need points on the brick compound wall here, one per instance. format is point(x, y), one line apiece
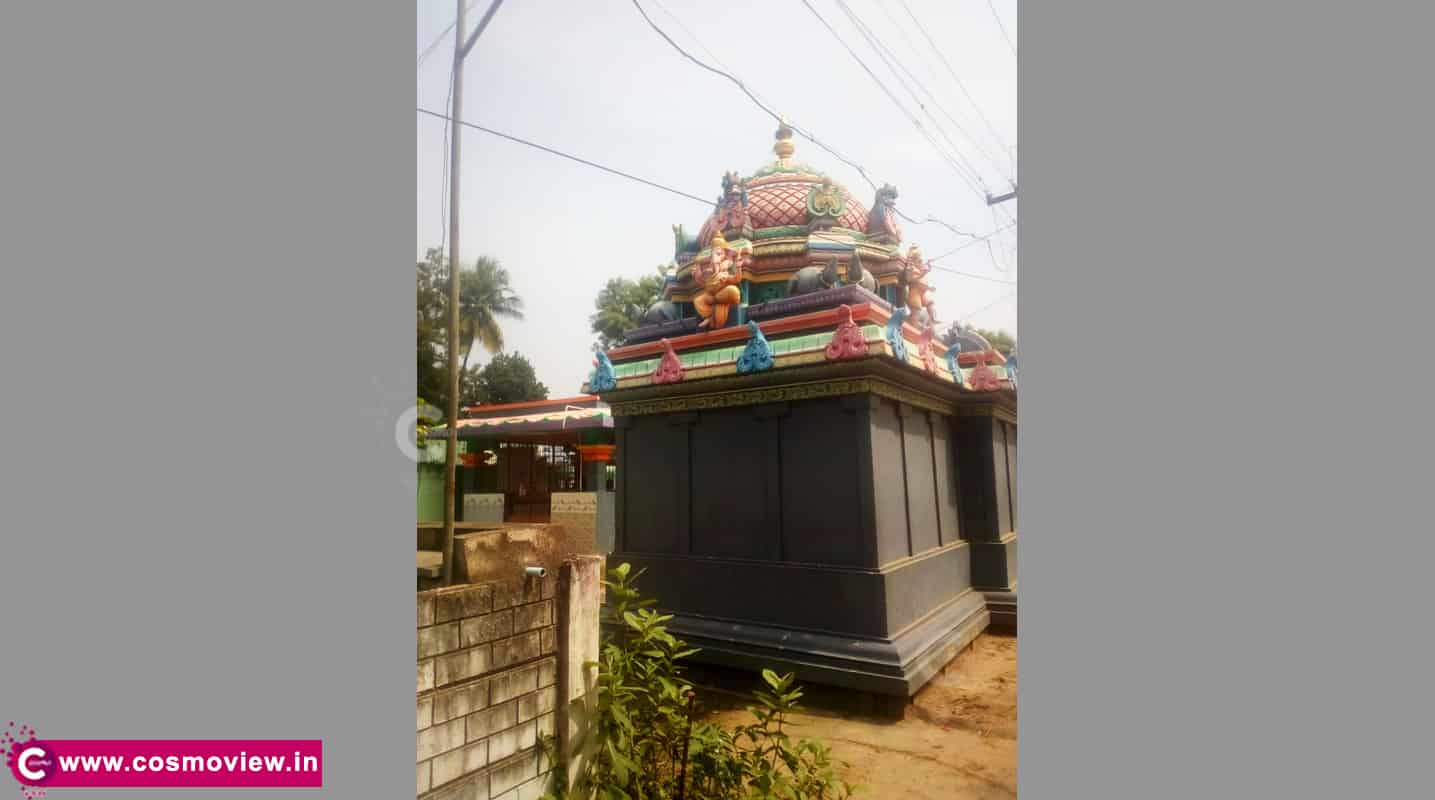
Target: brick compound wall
point(487, 689)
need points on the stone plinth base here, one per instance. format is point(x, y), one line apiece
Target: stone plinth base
point(1002, 606)
point(897, 667)
point(994, 564)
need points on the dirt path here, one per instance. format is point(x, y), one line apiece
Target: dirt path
point(955, 741)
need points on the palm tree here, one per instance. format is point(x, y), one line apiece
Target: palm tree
point(484, 297)
point(621, 304)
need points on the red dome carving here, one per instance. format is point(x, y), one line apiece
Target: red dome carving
point(781, 199)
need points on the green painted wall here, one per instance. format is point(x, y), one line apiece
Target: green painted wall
point(430, 493)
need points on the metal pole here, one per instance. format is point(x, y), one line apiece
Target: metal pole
point(991, 201)
point(450, 467)
point(461, 47)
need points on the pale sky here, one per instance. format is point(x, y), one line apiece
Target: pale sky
point(593, 79)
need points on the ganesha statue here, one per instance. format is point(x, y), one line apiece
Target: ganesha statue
point(719, 276)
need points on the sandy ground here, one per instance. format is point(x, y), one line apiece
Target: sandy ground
point(955, 741)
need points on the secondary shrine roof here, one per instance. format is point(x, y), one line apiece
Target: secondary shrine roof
point(543, 416)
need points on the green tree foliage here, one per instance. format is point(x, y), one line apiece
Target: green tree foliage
point(433, 329)
point(641, 740)
point(470, 388)
point(425, 421)
point(506, 378)
point(1001, 341)
point(621, 305)
point(485, 298)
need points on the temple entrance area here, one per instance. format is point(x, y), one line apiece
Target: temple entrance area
point(548, 461)
point(527, 474)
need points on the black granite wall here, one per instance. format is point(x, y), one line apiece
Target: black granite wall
point(783, 512)
point(855, 481)
point(986, 455)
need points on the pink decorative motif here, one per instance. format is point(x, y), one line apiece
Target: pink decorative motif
point(982, 378)
point(670, 369)
point(848, 341)
point(926, 347)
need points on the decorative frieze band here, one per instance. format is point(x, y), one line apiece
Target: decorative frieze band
point(782, 394)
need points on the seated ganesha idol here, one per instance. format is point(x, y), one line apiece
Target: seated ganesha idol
point(719, 277)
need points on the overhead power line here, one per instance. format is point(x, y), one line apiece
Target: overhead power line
point(676, 19)
point(751, 96)
point(429, 50)
point(806, 134)
point(992, 136)
point(998, 18)
point(975, 240)
point(447, 131)
point(931, 96)
point(569, 156)
point(972, 275)
point(432, 45)
point(898, 69)
point(943, 58)
point(898, 103)
point(613, 171)
point(992, 304)
point(895, 66)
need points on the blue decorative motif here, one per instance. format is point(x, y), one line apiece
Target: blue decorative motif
point(603, 379)
point(757, 356)
point(1011, 369)
point(895, 339)
point(952, 353)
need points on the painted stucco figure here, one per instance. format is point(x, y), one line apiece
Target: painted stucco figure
point(952, 353)
point(719, 276)
point(683, 244)
point(825, 203)
point(602, 379)
point(982, 378)
point(882, 221)
point(815, 278)
point(858, 274)
point(915, 290)
point(732, 216)
point(757, 355)
point(895, 339)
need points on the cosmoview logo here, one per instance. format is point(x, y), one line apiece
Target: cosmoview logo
point(31, 761)
point(405, 429)
point(35, 763)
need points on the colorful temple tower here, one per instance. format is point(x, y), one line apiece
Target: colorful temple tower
point(815, 481)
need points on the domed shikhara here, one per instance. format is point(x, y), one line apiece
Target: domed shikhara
point(792, 270)
point(777, 198)
point(784, 224)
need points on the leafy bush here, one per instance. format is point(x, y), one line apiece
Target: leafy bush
point(641, 742)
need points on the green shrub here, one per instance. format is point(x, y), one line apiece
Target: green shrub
point(641, 742)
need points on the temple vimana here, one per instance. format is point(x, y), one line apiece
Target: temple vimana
point(814, 477)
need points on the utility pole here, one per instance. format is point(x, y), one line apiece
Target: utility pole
point(461, 48)
point(1002, 198)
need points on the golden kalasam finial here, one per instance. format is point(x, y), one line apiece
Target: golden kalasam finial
point(784, 147)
